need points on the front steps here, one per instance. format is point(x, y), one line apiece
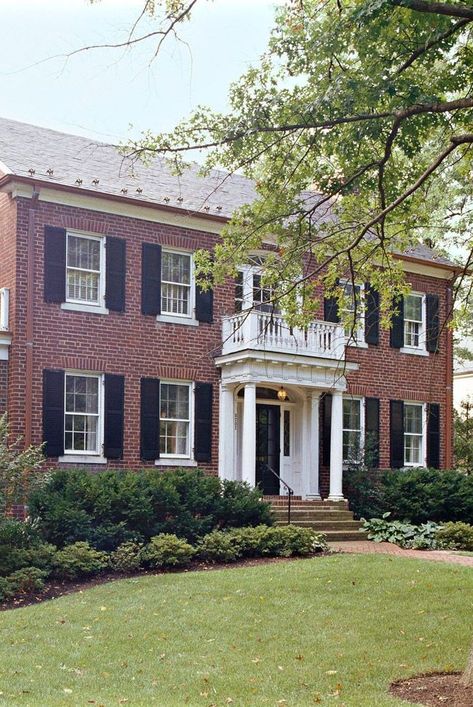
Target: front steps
point(332, 518)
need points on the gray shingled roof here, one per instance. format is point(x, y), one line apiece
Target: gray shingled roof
point(59, 158)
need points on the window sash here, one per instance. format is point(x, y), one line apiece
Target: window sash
point(84, 285)
point(176, 295)
point(354, 330)
point(414, 439)
point(175, 429)
point(82, 428)
point(413, 326)
point(352, 429)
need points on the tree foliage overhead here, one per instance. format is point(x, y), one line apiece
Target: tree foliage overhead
point(357, 128)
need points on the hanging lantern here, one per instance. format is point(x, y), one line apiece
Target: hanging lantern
point(282, 394)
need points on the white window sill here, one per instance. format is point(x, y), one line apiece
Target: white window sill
point(90, 308)
point(82, 459)
point(170, 319)
point(413, 351)
point(172, 461)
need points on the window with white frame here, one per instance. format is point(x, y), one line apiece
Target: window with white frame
point(354, 303)
point(85, 264)
point(414, 321)
point(413, 434)
point(174, 419)
point(250, 290)
point(83, 417)
point(176, 283)
point(352, 429)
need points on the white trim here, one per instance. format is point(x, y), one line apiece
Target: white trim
point(362, 401)
point(82, 459)
point(174, 458)
point(414, 351)
point(423, 462)
point(421, 349)
point(89, 308)
point(100, 304)
point(73, 453)
point(173, 461)
point(175, 319)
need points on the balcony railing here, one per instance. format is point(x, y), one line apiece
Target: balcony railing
point(264, 331)
point(4, 308)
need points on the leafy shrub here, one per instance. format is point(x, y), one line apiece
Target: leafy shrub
point(455, 536)
point(167, 550)
point(249, 541)
point(79, 560)
point(19, 468)
point(112, 507)
point(18, 534)
point(7, 591)
point(126, 558)
point(417, 537)
point(415, 495)
point(218, 546)
point(27, 580)
point(277, 541)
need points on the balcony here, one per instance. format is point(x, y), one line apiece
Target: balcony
point(262, 331)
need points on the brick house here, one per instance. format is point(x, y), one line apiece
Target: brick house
point(112, 355)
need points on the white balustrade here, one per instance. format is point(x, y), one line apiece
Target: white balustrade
point(4, 308)
point(265, 331)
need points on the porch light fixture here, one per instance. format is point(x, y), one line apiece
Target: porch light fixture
point(282, 394)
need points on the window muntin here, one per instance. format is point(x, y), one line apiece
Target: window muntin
point(176, 283)
point(84, 269)
point(174, 419)
point(251, 293)
point(82, 414)
point(352, 429)
point(354, 296)
point(413, 434)
point(414, 321)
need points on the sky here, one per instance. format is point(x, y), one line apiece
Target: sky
point(113, 94)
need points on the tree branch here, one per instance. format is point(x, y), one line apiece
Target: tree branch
point(436, 8)
point(425, 48)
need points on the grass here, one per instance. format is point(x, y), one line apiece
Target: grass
point(333, 630)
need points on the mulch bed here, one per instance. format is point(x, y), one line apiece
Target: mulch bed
point(434, 689)
point(59, 588)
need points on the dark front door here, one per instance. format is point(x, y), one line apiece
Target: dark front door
point(267, 448)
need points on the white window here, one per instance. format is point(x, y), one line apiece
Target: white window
point(174, 419)
point(353, 429)
point(354, 308)
point(85, 269)
point(414, 321)
point(250, 291)
point(83, 414)
point(414, 442)
point(176, 284)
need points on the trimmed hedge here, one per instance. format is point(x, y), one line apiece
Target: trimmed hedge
point(417, 495)
point(112, 507)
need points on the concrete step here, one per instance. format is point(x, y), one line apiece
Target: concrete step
point(322, 514)
point(322, 526)
point(311, 506)
point(346, 536)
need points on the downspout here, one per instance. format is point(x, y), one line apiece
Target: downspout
point(30, 320)
point(449, 383)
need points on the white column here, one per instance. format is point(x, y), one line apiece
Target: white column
point(314, 400)
point(248, 456)
point(226, 456)
point(336, 448)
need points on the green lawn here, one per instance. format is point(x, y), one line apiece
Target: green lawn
point(331, 631)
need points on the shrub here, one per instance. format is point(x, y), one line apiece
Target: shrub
point(19, 468)
point(218, 546)
point(7, 591)
point(167, 550)
point(363, 489)
point(79, 560)
point(417, 537)
point(21, 546)
point(455, 536)
point(112, 507)
point(249, 541)
point(278, 541)
point(27, 580)
point(126, 558)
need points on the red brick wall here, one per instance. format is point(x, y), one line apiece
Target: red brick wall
point(7, 277)
point(136, 345)
point(3, 386)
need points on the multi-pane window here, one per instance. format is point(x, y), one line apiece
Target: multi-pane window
point(413, 321)
point(354, 310)
point(84, 275)
point(82, 414)
point(413, 435)
point(250, 292)
point(352, 429)
point(176, 277)
point(175, 401)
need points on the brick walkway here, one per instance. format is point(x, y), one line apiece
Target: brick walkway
point(368, 547)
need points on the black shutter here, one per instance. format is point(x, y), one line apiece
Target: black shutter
point(326, 427)
point(331, 309)
point(371, 315)
point(433, 435)
point(397, 433)
point(151, 279)
point(203, 422)
point(432, 302)
point(113, 424)
point(115, 267)
point(372, 432)
point(204, 305)
point(53, 413)
point(397, 325)
point(149, 418)
point(54, 264)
